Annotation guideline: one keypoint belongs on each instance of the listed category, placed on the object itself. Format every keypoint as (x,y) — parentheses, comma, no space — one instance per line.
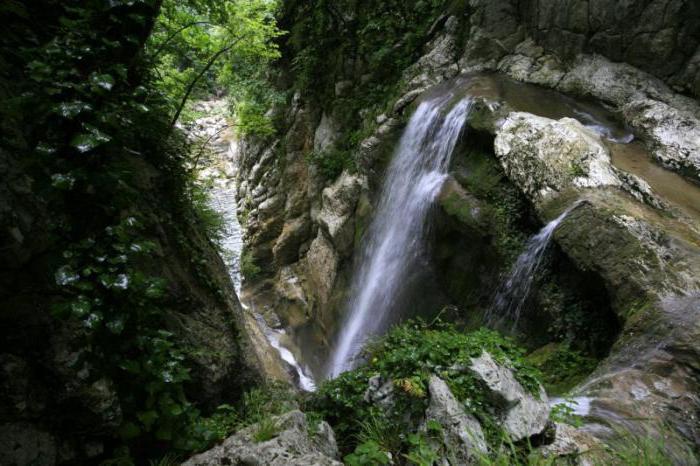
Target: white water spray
(513,293)
(395,239)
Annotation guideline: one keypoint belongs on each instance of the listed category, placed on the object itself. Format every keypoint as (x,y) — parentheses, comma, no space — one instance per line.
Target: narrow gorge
(283,232)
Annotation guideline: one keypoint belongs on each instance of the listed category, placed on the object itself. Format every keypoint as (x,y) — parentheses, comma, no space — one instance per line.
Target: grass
(268,429)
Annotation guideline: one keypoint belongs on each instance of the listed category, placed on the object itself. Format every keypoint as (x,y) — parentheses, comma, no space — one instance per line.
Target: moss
(561,366)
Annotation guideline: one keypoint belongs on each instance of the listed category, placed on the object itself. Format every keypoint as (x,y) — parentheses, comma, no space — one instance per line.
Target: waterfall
(395,239)
(511,295)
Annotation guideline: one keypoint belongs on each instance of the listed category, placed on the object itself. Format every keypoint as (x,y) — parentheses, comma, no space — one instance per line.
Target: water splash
(395,239)
(513,292)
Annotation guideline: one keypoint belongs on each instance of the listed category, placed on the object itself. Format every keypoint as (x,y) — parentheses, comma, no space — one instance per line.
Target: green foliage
(90,117)
(368,453)
(228,45)
(331,163)
(408,354)
(565,413)
(562,367)
(267,430)
(249,268)
(643,450)
(209,219)
(387,34)
(422,451)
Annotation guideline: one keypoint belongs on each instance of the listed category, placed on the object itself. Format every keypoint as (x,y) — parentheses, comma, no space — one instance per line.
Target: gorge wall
(306,194)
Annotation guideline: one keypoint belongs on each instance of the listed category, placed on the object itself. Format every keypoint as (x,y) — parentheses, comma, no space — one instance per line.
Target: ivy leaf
(147,418)
(93,138)
(71,109)
(103,81)
(129,430)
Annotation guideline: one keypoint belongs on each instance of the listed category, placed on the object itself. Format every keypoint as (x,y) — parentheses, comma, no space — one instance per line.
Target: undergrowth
(408,355)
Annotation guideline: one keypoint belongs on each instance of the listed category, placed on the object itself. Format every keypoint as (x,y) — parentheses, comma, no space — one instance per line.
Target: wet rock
(522,415)
(463,437)
(294,444)
(380,392)
(544,156)
(571,444)
(674,135)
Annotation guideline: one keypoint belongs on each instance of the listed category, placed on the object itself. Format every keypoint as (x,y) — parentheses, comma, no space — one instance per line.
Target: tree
(203,46)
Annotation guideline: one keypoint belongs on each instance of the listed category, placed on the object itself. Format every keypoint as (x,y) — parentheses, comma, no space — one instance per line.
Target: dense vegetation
(92,91)
(349,58)
(407,356)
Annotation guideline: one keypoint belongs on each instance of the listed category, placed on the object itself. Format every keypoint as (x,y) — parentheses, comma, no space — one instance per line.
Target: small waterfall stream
(395,239)
(223,200)
(514,290)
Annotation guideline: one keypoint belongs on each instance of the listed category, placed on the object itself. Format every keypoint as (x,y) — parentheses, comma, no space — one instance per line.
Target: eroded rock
(522,414)
(463,437)
(293,444)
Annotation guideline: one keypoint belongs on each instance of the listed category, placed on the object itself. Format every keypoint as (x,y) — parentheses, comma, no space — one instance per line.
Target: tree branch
(172,36)
(191,86)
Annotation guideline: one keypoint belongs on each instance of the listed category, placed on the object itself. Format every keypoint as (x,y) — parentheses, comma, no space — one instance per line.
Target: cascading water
(396,236)
(513,292)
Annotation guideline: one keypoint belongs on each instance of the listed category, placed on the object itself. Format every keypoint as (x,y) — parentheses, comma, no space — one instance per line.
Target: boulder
(380,392)
(544,157)
(571,443)
(521,414)
(327,133)
(294,444)
(463,437)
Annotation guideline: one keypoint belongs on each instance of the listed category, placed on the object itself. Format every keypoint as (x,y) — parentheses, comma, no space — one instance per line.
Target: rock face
(292,443)
(462,433)
(522,415)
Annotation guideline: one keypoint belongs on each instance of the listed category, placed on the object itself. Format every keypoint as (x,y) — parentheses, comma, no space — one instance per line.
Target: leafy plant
(249,268)
(368,454)
(408,354)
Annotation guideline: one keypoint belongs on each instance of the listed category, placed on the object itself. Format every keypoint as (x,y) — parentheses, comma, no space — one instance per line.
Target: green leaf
(93,138)
(148,418)
(129,430)
(71,109)
(103,81)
